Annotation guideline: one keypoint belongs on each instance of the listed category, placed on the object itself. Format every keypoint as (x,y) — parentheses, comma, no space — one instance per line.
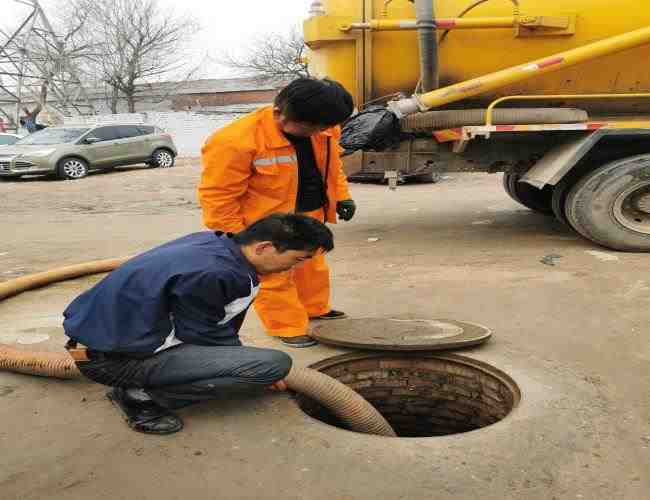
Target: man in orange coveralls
(283,158)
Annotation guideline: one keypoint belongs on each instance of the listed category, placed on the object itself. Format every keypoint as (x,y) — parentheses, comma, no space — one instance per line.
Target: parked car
(8,139)
(70,152)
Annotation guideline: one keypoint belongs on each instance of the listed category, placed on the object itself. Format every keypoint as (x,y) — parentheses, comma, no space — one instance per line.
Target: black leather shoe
(333,314)
(144,415)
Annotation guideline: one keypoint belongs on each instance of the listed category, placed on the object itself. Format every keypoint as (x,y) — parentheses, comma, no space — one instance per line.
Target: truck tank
(373,64)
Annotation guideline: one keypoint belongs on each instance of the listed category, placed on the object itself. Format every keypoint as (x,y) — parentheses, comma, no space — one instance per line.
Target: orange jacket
(250,170)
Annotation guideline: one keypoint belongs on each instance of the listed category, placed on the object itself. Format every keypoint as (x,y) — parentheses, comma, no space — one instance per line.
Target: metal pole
(439,24)
(23,57)
(428,42)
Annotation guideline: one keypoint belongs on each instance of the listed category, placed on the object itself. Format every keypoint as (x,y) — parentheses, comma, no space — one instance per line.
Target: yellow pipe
(520,73)
(490,109)
(441,23)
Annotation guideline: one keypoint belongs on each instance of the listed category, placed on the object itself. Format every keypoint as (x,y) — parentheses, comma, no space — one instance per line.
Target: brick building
(202,94)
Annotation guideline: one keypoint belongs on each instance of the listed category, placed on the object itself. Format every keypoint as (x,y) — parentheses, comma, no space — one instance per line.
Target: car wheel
(72,169)
(428,178)
(611,205)
(162,158)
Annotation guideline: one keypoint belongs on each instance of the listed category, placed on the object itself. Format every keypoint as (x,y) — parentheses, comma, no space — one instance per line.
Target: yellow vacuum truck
(555,93)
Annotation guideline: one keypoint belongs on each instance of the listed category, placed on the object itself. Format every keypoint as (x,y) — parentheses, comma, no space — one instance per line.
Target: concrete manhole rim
(476,364)
(462,340)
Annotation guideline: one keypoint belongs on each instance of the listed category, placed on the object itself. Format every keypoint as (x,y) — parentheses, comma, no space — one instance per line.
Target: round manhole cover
(387,334)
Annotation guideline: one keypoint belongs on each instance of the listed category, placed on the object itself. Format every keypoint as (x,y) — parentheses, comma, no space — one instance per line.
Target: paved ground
(573,335)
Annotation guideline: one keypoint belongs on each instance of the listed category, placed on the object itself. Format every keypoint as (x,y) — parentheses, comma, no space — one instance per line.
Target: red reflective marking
(595,126)
(505,128)
(448,135)
(445,23)
(550,62)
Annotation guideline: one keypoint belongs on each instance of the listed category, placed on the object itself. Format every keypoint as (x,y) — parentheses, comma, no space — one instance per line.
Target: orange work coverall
(250,170)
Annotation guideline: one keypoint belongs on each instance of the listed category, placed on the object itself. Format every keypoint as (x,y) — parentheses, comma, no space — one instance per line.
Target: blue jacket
(195,289)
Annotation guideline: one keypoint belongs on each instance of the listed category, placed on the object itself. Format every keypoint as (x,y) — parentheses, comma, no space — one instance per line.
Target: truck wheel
(611,205)
(558,201)
(538,200)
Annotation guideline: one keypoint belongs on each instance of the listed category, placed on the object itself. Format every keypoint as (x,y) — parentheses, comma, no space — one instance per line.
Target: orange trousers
(287,300)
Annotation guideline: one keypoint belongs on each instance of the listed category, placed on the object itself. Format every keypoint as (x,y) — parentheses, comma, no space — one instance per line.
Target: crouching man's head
(280,242)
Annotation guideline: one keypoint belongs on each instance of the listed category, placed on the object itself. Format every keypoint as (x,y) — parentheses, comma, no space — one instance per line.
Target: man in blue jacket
(162,329)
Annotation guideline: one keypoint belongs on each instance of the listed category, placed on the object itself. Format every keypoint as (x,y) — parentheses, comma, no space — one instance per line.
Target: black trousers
(186,374)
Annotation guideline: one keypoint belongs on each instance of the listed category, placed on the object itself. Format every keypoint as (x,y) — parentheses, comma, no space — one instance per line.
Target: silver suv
(70,152)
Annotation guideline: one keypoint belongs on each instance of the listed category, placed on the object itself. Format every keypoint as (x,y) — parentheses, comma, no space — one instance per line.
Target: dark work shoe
(299,341)
(333,314)
(144,415)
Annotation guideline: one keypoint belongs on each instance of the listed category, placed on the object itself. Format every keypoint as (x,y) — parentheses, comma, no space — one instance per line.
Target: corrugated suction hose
(346,404)
(24,283)
(42,364)
(438,120)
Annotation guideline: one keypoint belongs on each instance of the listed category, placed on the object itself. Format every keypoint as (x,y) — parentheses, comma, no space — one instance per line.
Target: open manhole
(421,395)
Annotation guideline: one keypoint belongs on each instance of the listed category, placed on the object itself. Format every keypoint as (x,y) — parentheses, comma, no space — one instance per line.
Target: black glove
(346,209)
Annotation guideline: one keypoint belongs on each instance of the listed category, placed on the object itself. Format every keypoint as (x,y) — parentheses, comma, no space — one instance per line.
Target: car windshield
(52,136)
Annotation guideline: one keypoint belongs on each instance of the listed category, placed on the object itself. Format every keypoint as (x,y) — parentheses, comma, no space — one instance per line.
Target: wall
(180,102)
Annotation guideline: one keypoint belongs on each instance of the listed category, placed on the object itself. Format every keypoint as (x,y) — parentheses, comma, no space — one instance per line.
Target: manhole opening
(421,395)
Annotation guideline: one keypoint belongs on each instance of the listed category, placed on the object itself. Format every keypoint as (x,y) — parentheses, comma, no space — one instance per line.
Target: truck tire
(611,205)
(538,200)
(558,201)
(563,187)
(561,191)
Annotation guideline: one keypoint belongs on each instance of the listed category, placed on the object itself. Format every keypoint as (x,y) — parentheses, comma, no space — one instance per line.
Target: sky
(227,24)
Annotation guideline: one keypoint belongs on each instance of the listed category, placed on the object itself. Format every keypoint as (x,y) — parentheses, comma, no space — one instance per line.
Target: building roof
(228,85)
(204,86)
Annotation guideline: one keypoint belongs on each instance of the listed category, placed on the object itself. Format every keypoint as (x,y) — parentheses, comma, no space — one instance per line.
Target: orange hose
(24,283)
(42,364)
(47,364)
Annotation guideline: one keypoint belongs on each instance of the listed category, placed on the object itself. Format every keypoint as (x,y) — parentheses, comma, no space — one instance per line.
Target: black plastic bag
(374,129)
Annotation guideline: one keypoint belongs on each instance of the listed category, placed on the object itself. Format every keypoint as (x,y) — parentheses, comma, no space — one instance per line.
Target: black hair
(288,232)
(318,102)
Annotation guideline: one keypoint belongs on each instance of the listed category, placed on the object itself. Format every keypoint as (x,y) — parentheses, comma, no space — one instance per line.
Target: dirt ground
(572,331)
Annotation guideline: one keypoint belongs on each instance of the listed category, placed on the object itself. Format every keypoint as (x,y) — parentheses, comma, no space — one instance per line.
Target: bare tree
(271,56)
(135,42)
(38,56)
